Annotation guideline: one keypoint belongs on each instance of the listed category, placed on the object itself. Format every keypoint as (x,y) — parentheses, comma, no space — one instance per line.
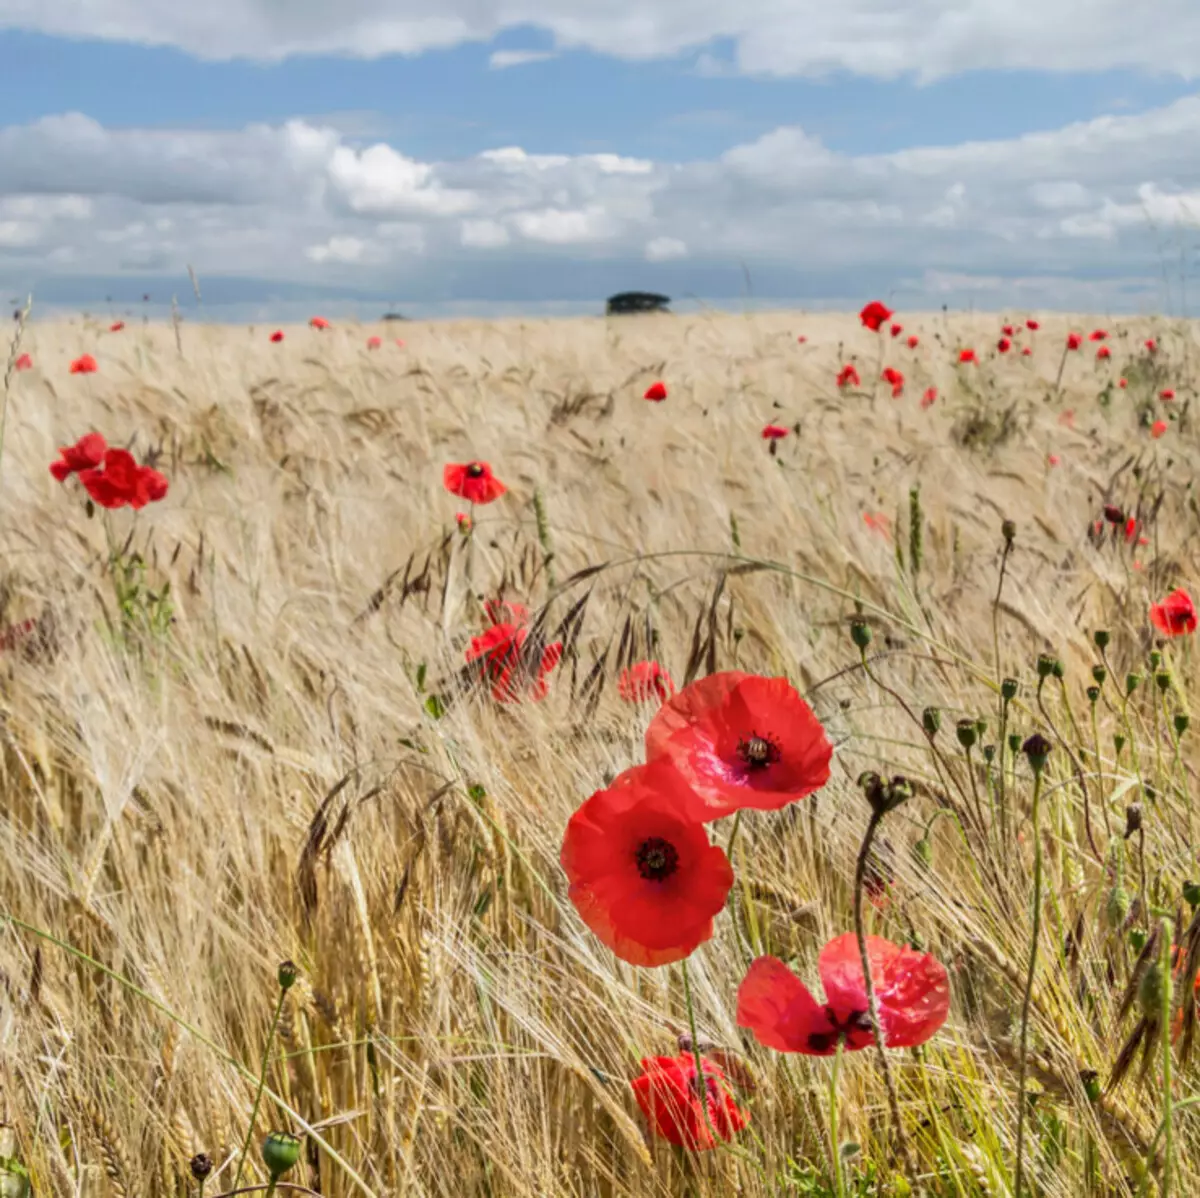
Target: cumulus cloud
(499,60)
(929,38)
(300,202)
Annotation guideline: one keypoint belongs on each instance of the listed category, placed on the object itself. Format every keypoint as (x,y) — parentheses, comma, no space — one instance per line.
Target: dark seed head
(1099,675)
(1113,514)
(1008,530)
(475,470)
(201,1165)
(1037,749)
(1101,638)
(287,975)
(1008,689)
(967,733)
(657,859)
(1045,665)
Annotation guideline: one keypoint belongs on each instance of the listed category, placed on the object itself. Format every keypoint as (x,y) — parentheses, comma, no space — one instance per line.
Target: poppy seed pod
(1091,1084)
(1191,892)
(1045,665)
(931,721)
(201,1165)
(280,1151)
(1101,639)
(1093,694)
(1155,659)
(1182,720)
(1137,939)
(1009,531)
(967,733)
(1162,679)
(1037,749)
(1100,675)
(287,975)
(1118,742)
(989,753)
(1132,682)
(1014,742)
(860,633)
(1008,689)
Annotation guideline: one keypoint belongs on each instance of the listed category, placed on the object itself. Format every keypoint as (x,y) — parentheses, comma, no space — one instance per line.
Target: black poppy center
(474,470)
(758,752)
(856,1021)
(657,859)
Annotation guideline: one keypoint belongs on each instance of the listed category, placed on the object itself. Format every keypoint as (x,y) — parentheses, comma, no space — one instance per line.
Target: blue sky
(717,146)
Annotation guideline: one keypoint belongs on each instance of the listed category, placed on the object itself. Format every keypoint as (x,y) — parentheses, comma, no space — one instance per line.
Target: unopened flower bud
(1118,742)
(1014,742)
(923,852)
(1008,530)
(1101,638)
(1100,674)
(1037,749)
(860,633)
(14,1181)
(1093,694)
(1182,720)
(1162,680)
(1137,939)
(1191,892)
(931,721)
(1132,682)
(1091,1084)
(280,1151)
(1155,659)
(967,733)
(1116,907)
(1133,819)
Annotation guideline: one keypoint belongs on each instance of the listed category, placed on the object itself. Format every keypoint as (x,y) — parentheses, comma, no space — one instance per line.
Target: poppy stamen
(657,859)
(840,1029)
(474,470)
(758,752)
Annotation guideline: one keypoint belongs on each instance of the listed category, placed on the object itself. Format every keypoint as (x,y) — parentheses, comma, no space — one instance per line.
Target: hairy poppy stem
(262,1081)
(1026,1002)
(860,872)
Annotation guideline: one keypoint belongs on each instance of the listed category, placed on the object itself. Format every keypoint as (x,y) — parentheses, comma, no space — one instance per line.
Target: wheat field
(280,754)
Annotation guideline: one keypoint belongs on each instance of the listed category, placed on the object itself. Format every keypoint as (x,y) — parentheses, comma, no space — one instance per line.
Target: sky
(463,157)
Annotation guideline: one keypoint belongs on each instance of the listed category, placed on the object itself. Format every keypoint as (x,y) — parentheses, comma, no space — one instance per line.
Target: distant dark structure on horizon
(627,302)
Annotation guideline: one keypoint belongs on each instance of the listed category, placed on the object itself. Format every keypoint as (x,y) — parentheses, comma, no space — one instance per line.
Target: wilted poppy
(1167,393)
(85,454)
(122,481)
(1175,615)
(848,376)
(277,336)
(473,481)
(669,1093)
(929,398)
(893,377)
(643,875)
(1104,352)
(656,392)
(318,322)
(1074,340)
(374,342)
(875,315)
(967,355)
(1003,345)
(116,326)
(911,988)
(1032,325)
(896,330)
(774,432)
(1158,428)
(24,362)
(1113,514)
(85,364)
(913,341)
(645,680)
(741,740)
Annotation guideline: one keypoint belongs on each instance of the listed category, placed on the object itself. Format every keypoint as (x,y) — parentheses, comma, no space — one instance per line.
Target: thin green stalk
(262,1081)
(873,999)
(702,1085)
(834,1148)
(1164,1188)
(1028,999)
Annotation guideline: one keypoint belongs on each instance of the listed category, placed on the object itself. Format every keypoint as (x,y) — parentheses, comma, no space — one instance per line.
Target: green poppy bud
(931,721)
(1101,638)
(1008,689)
(1182,720)
(967,733)
(280,1151)
(860,633)
(287,975)
(1100,674)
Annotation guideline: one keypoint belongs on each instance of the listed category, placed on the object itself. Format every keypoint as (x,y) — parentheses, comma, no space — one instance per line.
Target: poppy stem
(860,872)
(834,1147)
(1164,1185)
(1026,1002)
(702,1085)
(262,1081)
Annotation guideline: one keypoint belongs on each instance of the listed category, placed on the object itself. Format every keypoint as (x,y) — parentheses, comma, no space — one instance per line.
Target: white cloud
(499,60)
(663,249)
(880,38)
(301,202)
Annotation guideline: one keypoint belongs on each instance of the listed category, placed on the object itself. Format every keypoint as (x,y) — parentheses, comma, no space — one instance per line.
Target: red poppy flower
(16,635)
(1009,331)
(656,392)
(1166,393)
(1131,528)
(848,376)
(1026,352)
(85,454)
(24,362)
(1151,345)
(399,343)
(116,326)
(668,1091)
(1175,615)
(913,341)
(1053,460)
(1003,345)
(911,988)
(967,355)
(1098,335)
(277,336)
(645,680)
(1158,428)
(878,522)
(122,481)
(1074,340)
(896,379)
(774,432)
(741,740)
(501,652)
(473,481)
(1032,325)
(1104,352)
(875,315)
(1122,384)
(929,398)
(1067,418)
(374,342)
(85,364)
(318,322)
(896,330)
(643,875)
(801,339)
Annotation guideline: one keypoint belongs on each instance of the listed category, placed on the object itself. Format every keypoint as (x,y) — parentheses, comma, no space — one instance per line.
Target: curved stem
(860,871)
(262,1081)
(1028,999)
